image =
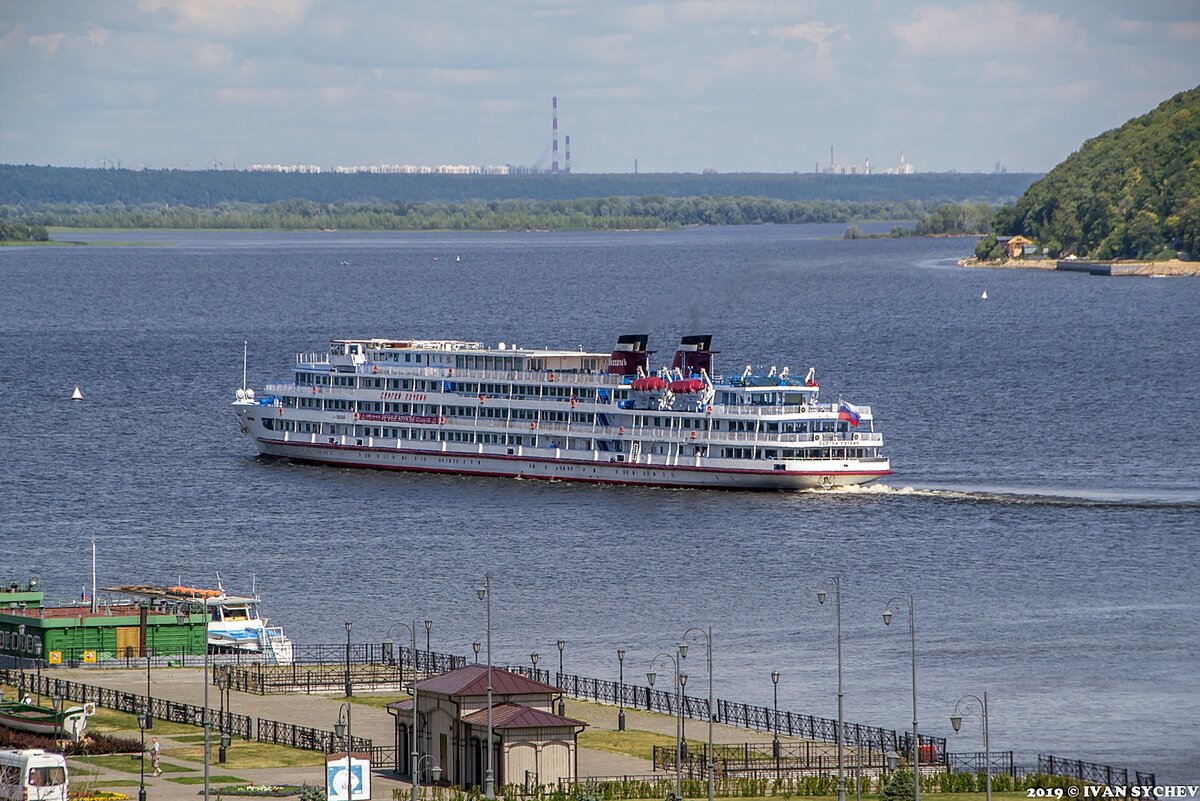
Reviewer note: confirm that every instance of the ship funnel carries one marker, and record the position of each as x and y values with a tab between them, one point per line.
694	355
630	355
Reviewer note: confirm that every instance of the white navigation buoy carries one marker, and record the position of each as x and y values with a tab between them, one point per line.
984	295
458	258
76	395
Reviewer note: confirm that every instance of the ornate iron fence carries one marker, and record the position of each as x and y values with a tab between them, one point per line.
974	761
747	716
307	738
1092	771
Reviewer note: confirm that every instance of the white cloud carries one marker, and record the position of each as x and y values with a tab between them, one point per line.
988	27
231	18
49	42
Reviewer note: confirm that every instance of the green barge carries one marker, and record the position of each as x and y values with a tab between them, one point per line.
87	631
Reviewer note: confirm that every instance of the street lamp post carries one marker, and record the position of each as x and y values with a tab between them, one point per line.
911	603
974	705
680	679
428	648
775	722
621	690
415	754
683	649
57	701
143	724
343	726
533	658
475	647
349	688
836	581
485	592
435	772
562	703
21	634
222	679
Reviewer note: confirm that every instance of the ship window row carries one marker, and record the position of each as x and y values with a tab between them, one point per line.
398	358
802	453
507	363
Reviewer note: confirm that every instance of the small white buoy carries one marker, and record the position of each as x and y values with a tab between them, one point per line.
76	395
458	258
984	295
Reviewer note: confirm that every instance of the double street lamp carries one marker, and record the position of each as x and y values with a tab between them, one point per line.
349	689
484	591
143	724
428	649
974	705
708	649
680	682
911	603
836	582
412	633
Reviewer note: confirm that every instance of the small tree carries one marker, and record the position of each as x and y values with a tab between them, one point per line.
899	787
984	246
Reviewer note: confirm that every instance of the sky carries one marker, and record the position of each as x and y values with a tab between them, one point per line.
728	85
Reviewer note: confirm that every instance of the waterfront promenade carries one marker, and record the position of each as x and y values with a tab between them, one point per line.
369	721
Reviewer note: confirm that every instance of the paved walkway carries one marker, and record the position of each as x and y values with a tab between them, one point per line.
321	712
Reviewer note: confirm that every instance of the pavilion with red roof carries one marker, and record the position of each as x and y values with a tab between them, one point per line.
531	745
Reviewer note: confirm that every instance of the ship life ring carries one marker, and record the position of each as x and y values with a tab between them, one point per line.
315	390
375	369
856	437
693	435
281	411
621	430
552	377
442	420
356	417
482	398
708	410
803	408
574	402
533	425
816	437
449	371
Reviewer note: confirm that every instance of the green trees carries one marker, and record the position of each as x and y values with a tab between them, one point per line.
20	232
1129	193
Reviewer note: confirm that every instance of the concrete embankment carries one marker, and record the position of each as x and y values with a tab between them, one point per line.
1172	268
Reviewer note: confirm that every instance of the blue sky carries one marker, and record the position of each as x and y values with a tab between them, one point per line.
732	85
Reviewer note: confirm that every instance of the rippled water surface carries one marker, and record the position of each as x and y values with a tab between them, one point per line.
1044	512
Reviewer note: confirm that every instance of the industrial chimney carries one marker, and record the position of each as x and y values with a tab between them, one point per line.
554	147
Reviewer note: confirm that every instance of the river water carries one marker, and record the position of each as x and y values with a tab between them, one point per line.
1044	511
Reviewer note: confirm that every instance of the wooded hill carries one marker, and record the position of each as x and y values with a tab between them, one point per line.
1133	192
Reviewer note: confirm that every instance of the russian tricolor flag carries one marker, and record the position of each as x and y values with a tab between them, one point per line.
848	412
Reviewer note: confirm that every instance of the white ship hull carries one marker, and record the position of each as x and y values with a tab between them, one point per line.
824	476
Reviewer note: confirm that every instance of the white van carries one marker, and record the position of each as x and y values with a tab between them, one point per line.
32	775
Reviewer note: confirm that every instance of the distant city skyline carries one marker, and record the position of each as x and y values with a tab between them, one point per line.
687	86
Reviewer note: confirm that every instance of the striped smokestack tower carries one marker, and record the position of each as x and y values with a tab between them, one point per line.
554	147
567	159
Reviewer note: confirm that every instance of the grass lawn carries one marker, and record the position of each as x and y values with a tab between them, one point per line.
247	755
116	783
211	780
126	763
631	742
106	721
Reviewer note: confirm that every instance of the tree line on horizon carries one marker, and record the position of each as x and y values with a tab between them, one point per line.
611	213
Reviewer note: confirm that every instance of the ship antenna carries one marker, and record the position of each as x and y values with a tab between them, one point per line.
245	354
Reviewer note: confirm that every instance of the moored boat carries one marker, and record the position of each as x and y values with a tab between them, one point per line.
68	724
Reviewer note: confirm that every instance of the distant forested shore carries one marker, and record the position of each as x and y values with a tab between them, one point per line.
613	213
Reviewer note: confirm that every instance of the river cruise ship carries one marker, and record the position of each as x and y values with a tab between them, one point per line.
449	406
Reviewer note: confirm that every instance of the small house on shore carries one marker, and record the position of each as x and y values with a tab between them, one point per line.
1017	246
531	745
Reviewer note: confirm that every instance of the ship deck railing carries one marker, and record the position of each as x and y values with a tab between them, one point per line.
719	410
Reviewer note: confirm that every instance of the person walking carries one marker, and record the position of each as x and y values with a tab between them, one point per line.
154	754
